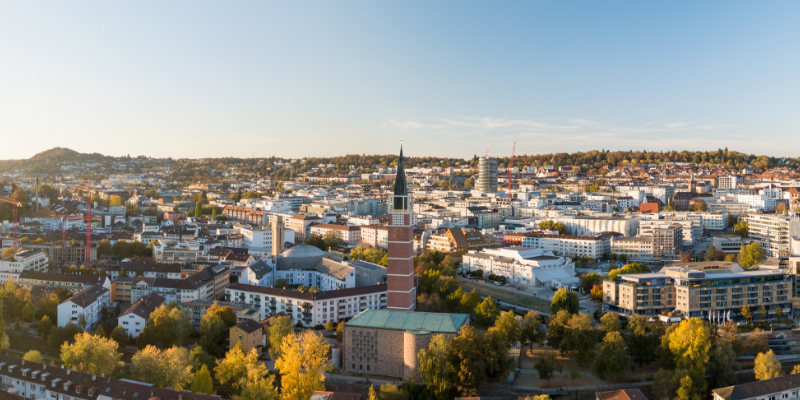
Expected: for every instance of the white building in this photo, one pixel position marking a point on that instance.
(345, 233)
(773, 231)
(375, 236)
(528, 266)
(134, 319)
(757, 202)
(27, 260)
(727, 182)
(569, 245)
(310, 309)
(259, 273)
(88, 303)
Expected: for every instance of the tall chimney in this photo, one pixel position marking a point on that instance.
(37, 194)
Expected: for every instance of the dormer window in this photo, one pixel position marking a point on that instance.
(55, 382)
(34, 374)
(11, 368)
(45, 375)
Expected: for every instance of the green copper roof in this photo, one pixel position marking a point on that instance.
(400, 180)
(409, 321)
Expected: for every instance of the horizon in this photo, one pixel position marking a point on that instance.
(199, 80)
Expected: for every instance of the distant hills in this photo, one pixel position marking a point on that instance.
(48, 160)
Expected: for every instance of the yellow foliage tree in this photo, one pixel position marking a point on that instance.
(302, 365)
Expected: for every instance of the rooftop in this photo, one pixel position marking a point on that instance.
(409, 321)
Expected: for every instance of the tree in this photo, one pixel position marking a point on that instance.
(104, 247)
(687, 390)
(611, 358)
(611, 323)
(751, 255)
(557, 329)
(247, 374)
(747, 314)
(690, 344)
(329, 326)
(391, 391)
(302, 365)
(711, 253)
(642, 338)
(796, 369)
(168, 326)
(486, 312)
(757, 342)
(44, 326)
(92, 355)
(214, 326)
(563, 299)
(742, 229)
(558, 226)
(722, 365)
(531, 330)
(33, 356)
(198, 209)
(767, 366)
(596, 295)
(168, 368)
(547, 366)
(28, 313)
(372, 395)
(120, 335)
(580, 337)
(279, 328)
(632, 268)
(762, 314)
(115, 201)
(433, 367)
(200, 358)
(202, 381)
(535, 397)
(589, 281)
(467, 358)
(8, 252)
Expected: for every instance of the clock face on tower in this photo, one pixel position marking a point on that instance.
(396, 234)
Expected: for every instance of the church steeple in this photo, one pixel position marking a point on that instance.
(400, 181)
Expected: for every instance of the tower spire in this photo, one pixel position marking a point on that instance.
(400, 187)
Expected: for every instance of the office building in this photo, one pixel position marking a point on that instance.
(487, 175)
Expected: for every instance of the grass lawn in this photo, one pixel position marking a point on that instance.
(507, 296)
(22, 343)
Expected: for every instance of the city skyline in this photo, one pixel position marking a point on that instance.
(451, 78)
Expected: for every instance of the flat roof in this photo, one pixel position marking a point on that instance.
(409, 321)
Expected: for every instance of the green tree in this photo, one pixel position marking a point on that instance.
(611, 358)
(120, 335)
(531, 330)
(198, 209)
(104, 248)
(722, 366)
(547, 366)
(391, 391)
(642, 338)
(751, 255)
(767, 366)
(632, 268)
(610, 322)
(687, 390)
(279, 328)
(581, 337)
(92, 355)
(762, 314)
(468, 360)
(711, 253)
(168, 326)
(742, 229)
(747, 314)
(557, 329)
(433, 367)
(302, 365)
(202, 381)
(588, 281)
(486, 312)
(563, 299)
(33, 356)
(757, 342)
(214, 327)
(44, 326)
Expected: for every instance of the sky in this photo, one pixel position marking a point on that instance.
(450, 78)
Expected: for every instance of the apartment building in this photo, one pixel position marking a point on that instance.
(691, 228)
(782, 388)
(593, 225)
(345, 233)
(26, 260)
(196, 309)
(310, 309)
(207, 284)
(83, 309)
(300, 224)
(774, 231)
(700, 290)
(245, 215)
(375, 235)
(637, 248)
(727, 181)
(458, 241)
(568, 245)
(73, 282)
(757, 203)
(135, 317)
(41, 381)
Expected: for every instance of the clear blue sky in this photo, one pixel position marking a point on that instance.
(452, 78)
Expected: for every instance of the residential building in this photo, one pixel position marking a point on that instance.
(42, 381)
(487, 175)
(246, 334)
(386, 343)
(593, 247)
(727, 182)
(757, 203)
(773, 231)
(345, 233)
(73, 282)
(245, 215)
(624, 394)
(458, 241)
(785, 387)
(529, 266)
(83, 309)
(135, 317)
(207, 284)
(700, 290)
(300, 224)
(592, 225)
(196, 309)
(26, 260)
(375, 235)
(258, 273)
(121, 289)
(309, 309)
(729, 244)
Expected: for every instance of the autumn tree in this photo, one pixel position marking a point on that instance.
(163, 368)
(581, 337)
(91, 354)
(751, 255)
(767, 366)
(547, 366)
(486, 312)
(203, 382)
(757, 342)
(532, 330)
(214, 327)
(247, 375)
(747, 314)
(33, 356)
(610, 322)
(596, 295)
(467, 358)
(302, 365)
(279, 328)
(168, 326)
(642, 338)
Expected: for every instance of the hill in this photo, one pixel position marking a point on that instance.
(48, 161)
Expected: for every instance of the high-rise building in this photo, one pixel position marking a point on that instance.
(278, 235)
(487, 175)
(401, 291)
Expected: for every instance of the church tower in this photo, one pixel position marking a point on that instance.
(401, 291)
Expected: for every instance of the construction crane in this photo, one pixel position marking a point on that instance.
(64, 218)
(14, 220)
(510, 167)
